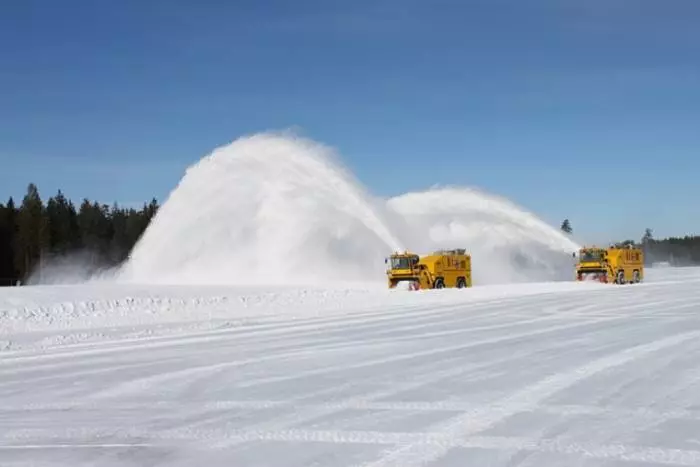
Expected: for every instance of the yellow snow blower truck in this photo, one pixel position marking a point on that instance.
(443, 268)
(618, 264)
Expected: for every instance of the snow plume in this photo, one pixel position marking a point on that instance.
(275, 208)
(507, 244)
(269, 208)
(71, 268)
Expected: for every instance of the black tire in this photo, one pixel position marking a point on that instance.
(439, 284)
(461, 283)
(636, 278)
(620, 279)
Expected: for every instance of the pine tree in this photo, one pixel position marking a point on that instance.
(12, 214)
(136, 224)
(4, 244)
(8, 229)
(33, 235)
(63, 225)
(119, 247)
(150, 210)
(566, 226)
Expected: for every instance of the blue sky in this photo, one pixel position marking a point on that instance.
(582, 109)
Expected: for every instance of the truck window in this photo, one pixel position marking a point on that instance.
(590, 256)
(400, 263)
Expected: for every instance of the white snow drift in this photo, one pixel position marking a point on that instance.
(538, 375)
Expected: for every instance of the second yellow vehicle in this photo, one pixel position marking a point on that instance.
(443, 268)
(616, 264)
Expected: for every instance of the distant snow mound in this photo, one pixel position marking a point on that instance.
(275, 208)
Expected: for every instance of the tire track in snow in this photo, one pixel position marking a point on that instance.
(186, 424)
(189, 373)
(307, 412)
(280, 320)
(284, 353)
(283, 323)
(528, 398)
(208, 438)
(328, 301)
(290, 421)
(441, 349)
(377, 338)
(475, 310)
(429, 377)
(250, 332)
(93, 366)
(365, 402)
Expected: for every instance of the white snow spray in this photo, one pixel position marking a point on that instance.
(275, 208)
(507, 243)
(266, 209)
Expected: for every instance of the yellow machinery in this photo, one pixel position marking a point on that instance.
(444, 268)
(616, 264)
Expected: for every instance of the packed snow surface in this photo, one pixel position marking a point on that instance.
(252, 326)
(534, 375)
(278, 209)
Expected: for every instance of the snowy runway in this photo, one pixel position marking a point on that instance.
(552, 374)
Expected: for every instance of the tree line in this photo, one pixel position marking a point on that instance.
(676, 251)
(36, 231)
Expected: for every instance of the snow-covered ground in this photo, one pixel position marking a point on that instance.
(548, 374)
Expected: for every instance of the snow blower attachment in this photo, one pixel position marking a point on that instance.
(443, 268)
(618, 264)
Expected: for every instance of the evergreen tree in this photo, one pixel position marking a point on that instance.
(5, 248)
(63, 225)
(12, 213)
(95, 229)
(32, 233)
(120, 245)
(150, 210)
(136, 224)
(8, 234)
(566, 226)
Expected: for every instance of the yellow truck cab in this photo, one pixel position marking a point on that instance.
(443, 268)
(617, 264)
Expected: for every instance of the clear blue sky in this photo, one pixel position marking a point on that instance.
(582, 109)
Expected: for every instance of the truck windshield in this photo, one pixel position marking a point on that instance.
(401, 263)
(590, 256)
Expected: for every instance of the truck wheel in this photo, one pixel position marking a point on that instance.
(439, 284)
(621, 277)
(461, 283)
(636, 279)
